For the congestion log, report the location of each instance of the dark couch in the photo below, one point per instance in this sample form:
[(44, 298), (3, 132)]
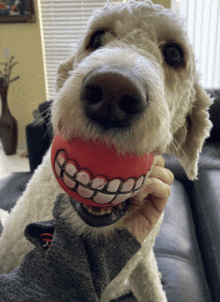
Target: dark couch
[(187, 248)]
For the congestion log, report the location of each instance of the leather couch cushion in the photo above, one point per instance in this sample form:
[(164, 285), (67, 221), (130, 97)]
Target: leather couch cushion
[(205, 194), (177, 251), (11, 188)]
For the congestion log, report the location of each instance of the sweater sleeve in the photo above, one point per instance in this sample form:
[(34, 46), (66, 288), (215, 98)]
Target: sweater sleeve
[(73, 269), (83, 267), (107, 257)]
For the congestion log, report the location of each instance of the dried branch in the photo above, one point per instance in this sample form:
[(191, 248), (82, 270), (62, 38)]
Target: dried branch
[(6, 74), (16, 78)]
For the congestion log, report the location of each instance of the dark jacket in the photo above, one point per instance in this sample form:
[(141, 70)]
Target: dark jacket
[(70, 268)]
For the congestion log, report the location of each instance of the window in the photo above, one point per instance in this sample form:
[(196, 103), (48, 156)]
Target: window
[(62, 24), (203, 26)]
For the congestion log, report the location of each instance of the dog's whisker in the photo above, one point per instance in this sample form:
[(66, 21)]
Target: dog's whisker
[(59, 78), (41, 113), (42, 119), (180, 124), (179, 147), (33, 103), (49, 128), (38, 122), (175, 147)]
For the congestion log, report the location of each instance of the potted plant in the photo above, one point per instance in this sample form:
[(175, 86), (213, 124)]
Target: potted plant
[(8, 124)]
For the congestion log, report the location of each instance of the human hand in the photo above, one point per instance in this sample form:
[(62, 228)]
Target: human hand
[(148, 205)]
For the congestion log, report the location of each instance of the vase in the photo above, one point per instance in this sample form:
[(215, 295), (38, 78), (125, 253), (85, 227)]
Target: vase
[(8, 125)]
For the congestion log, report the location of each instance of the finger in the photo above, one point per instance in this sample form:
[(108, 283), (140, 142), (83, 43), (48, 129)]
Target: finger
[(158, 173), (144, 218), (159, 161), (158, 193), (157, 188), (144, 215), (151, 214), (163, 174)]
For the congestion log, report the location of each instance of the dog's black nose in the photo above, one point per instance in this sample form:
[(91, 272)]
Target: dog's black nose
[(113, 97)]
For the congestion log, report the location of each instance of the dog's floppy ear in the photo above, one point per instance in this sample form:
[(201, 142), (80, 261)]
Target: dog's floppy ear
[(63, 72), (189, 139)]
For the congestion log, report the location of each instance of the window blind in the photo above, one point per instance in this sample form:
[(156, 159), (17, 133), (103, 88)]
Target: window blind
[(203, 26), (62, 24)]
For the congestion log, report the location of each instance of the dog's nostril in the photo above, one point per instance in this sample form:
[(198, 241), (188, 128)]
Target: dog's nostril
[(129, 104), (113, 97), (93, 94)]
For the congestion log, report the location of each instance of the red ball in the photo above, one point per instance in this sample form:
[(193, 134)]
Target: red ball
[(96, 175)]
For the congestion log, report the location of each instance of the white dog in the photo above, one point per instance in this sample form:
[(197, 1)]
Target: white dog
[(132, 81)]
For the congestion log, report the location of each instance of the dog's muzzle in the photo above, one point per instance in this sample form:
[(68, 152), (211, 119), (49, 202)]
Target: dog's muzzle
[(113, 97)]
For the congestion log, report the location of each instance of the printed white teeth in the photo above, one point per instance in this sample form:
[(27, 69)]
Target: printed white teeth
[(70, 169), (120, 198), (68, 182), (114, 185), (103, 198), (135, 192), (128, 185), (139, 182), (60, 158), (83, 192), (98, 183), (83, 177), (99, 189), (57, 170)]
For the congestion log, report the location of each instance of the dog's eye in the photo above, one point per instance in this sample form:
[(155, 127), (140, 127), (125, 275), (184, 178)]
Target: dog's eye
[(173, 54), (97, 39)]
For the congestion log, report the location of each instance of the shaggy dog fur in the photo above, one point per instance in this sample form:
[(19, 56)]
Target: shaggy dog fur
[(143, 39)]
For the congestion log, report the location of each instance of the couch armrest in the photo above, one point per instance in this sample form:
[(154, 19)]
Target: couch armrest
[(214, 116), (39, 135), (205, 202)]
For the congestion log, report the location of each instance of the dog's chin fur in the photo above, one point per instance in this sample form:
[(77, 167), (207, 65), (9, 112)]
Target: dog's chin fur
[(69, 214), (80, 227)]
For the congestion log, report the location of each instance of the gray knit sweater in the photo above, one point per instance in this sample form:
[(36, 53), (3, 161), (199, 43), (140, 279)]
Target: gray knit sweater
[(71, 268)]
